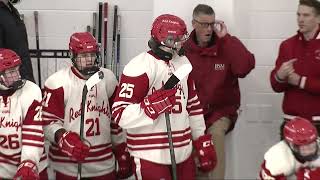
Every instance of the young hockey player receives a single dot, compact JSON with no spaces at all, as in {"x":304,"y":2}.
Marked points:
{"x":21,"y":133}
{"x":141,"y":103}
{"x":296,"y":155}
{"x":103,"y":141}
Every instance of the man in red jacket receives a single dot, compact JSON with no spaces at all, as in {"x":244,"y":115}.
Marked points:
{"x":296,"y":72}
{"x":218,"y":60}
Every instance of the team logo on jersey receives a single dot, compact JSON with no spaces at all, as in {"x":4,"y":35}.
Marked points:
{"x":5,"y":105}
{"x":91,"y":106}
{"x":219,"y":67}
{"x":317,"y":54}
{"x":4,"y":123}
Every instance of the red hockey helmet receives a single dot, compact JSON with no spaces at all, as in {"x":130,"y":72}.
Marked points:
{"x":168,"y":26}
{"x":300,"y":131}
{"x":84,"y":53}
{"x":9,"y":69}
{"x":82,"y":42}
{"x":8,"y":59}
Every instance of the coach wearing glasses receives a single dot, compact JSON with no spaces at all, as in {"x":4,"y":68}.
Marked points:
{"x":218,"y":60}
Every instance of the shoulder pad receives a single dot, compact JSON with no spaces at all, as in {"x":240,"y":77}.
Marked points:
{"x":280,"y":160}
{"x":57,"y":79}
{"x":31,"y":90}
{"x":138,"y":65}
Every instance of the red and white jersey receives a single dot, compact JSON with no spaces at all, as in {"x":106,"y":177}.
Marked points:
{"x":21,"y":132}
{"x":280,"y":163}
{"x":62,"y":109}
{"x":146,"y":138}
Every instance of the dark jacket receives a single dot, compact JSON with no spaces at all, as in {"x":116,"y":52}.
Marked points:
{"x":216,"y":70}
{"x":13,"y":35}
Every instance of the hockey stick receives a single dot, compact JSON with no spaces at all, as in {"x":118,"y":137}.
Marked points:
{"x":92,"y":81}
{"x":113,"y":54}
{"x":94,"y":25}
{"x":118,"y":46}
{"x":177,"y":76}
{"x":105,"y":33}
{"x":100,"y":22}
{"x":100,"y":29}
{"x":37,"y":44}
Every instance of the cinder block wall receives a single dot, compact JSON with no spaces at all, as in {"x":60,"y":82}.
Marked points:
{"x":58,"y":19}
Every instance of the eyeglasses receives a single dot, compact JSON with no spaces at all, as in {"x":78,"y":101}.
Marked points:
{"x":205,"y":24}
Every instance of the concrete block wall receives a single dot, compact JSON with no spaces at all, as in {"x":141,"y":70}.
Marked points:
{"x":260,"y":24}
{"x":59,"y":19}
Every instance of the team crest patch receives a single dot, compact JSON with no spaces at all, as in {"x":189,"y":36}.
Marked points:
{"x":218,"y":67}
{"x":5,"y":105}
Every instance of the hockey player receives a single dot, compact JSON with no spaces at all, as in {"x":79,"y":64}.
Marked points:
{"x":21,"y":133}
{"x":62,"y":112}
{"x":297,"y":154}
{"x":141,"y":103}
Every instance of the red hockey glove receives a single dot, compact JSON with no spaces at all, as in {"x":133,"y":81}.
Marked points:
{"x":124,"y":161}
{"x":27,"y":170}
{"x":71,"y":144}
{"x":205,"y":152}
{"x":158,"y":102}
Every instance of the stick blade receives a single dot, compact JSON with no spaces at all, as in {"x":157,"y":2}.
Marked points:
{"x":177,"y":76}
{"x":94,"y":79}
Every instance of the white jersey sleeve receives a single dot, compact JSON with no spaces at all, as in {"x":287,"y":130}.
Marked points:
{"x":280,"y":160}
{"x":55,"y":89}
{"x":134,"y":86}
{"x":195,"y":111}
{"x":32,"y":131}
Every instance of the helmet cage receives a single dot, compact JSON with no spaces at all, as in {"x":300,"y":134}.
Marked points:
{"x":86,"y":63}
{"x":11,"y":78}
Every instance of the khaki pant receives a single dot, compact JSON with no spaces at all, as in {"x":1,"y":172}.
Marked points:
{"x":217,"y":130}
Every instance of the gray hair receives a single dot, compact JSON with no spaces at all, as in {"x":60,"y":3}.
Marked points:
{"x":202,"y":9}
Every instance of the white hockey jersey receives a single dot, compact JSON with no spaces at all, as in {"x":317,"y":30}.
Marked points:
{"x":146,"y":138}
{"x":62,"y":109}
{"x":279,"y":160}
{"x":21,"y":132}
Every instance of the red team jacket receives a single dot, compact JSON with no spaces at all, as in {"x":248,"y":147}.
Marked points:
{"x":216,"y":70}
{"x":302,"y":100}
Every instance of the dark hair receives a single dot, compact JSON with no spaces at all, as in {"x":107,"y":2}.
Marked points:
{"x":311,"y":3}
{"x":202,"y":9}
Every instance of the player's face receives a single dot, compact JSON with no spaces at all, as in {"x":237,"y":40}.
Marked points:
{"x":175,"y":43}
{"x":309,"y":149}
{"x":85,"y":60}
{"x":307,"y":19}
{"x":10,"y":76}
{"x":203,"y":25}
